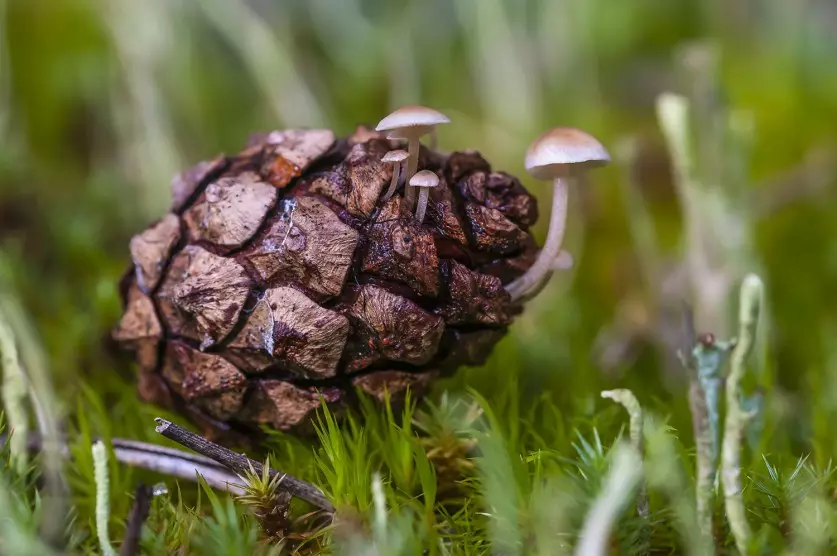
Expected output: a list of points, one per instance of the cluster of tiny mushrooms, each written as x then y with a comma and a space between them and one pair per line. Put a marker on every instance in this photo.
561, 154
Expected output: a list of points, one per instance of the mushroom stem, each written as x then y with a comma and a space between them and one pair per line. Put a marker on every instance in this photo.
554, 238
422, 204
396, 175
412, 166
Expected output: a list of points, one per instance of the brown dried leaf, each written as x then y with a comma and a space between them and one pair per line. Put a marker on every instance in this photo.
205, 379
395, 328
231, 211
151, 249
475, 298
302, 337
402, 250
213, 291
306, 245
186, 183
492, 232
284, 405
394, 383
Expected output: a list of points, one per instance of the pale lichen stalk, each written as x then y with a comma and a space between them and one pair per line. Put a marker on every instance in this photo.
738, 416
706, 368
14, 393
619, 486
100, 471
627, 399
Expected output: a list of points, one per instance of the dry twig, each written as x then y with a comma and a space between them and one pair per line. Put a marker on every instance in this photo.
241, 464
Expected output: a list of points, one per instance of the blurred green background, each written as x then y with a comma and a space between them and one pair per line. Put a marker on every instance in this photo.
102, 101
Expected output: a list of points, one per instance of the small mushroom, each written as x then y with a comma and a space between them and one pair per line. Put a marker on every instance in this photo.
563, 261
425, 181
559, 154
411, 123
395, 157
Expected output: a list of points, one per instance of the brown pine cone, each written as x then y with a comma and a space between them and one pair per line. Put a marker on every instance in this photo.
280, 276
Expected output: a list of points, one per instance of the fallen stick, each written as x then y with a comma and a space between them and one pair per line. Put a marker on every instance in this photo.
240, 464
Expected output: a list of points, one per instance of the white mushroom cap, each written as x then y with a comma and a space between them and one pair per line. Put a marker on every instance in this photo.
425, 178
397, 155
412, 120
563, 261
563, 151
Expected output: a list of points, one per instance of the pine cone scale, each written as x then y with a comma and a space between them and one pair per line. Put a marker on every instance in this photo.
281, 276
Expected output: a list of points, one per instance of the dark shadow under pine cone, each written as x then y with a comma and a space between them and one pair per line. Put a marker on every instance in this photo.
280, 278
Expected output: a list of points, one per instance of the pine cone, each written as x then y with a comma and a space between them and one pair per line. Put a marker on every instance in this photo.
280, 277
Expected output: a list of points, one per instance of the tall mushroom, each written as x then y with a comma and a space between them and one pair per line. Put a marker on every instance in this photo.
425, 181
560, 154
395, 157
411, 123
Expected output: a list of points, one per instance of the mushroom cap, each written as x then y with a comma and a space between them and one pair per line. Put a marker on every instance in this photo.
563, 261
564, 151
412, 120
425, 178
395, 156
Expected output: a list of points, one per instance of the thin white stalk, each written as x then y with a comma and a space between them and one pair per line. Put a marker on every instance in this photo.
380, 504
738, 417
554, 239
100, 470
180, 468
47, 407
393, 185
413, 145
422, 204
160, 459
627, 399
14, 394
618, 488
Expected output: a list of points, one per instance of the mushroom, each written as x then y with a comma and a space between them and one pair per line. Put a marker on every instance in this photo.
563, 261
396, 157
411, 122
560, 154
424, 180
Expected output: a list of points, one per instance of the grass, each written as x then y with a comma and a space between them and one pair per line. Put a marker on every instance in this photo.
100, 102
